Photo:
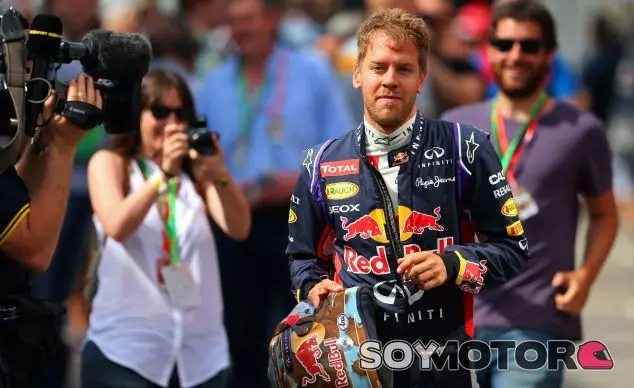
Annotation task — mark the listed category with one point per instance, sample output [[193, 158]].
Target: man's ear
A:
[[421, 81], [356, 77]]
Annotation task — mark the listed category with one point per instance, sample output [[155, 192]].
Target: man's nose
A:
[[389, 78], [516, 51]]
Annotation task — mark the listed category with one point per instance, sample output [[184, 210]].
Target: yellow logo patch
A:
[[509, 208], [341, 190], [515, 229], [292, 217]]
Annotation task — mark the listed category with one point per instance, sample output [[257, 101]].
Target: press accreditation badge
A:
[[526, 205], [181, 286]]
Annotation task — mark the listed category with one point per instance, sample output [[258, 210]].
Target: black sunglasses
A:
[[163, 112], [528, 46]]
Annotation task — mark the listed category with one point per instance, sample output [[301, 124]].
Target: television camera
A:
[[30, 56]]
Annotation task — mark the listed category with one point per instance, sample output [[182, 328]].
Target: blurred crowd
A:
[[311, 46]]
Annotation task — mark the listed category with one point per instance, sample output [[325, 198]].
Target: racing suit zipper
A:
[[391, 228]]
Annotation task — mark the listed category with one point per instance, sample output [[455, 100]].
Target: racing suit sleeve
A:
[[501, 248], [309, 261]]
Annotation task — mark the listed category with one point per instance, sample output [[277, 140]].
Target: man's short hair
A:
[[399, 26], [526, 10]]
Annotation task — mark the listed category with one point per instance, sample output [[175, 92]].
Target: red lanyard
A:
[[510, 153], [166, 206]]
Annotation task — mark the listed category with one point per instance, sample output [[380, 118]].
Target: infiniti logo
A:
[[402, 291], [435, 152]]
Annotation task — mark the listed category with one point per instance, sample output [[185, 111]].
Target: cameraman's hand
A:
[[63, 131], [175, 147], [210, 168]]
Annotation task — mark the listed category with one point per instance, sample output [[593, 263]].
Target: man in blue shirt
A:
[[268, 104]]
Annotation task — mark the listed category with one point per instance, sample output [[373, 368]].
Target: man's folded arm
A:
[[310, 259], [501, 248]]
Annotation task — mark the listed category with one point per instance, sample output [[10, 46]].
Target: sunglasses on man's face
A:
[[528, 46], [163, 112]]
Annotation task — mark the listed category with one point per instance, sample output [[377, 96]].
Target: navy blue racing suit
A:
[[452, 198]]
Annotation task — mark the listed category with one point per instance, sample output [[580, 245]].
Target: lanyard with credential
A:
[[168, 215], [250, 106], [509, 154]]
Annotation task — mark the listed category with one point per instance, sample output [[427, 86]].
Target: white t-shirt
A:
[[132, 320], [378, 146]]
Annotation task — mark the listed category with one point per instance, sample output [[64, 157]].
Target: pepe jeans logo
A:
[[433, 182]]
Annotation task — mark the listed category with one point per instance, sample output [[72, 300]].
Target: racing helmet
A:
[[319, 347]]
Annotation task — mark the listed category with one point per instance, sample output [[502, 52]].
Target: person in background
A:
[[174, 49], [552, 153], [453, 80], [561, 82], [157, 316], [599, 71], [207, 20], [268, 103]]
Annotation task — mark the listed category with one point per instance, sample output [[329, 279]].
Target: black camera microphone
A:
[[121, 57], [44, 38]]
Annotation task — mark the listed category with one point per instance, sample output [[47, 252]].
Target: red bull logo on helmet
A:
[[308, 354], [412, 222]]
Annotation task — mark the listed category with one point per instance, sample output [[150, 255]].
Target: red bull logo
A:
[[471, 274], [367, 226], [413, 222], [356, 263], [335, 360], [308, 354]]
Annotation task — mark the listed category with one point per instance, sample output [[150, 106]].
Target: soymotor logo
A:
[[477, 355]]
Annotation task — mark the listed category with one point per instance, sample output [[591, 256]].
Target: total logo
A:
[[340, 168]]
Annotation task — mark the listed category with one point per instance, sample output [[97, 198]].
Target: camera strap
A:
[[166, 205]]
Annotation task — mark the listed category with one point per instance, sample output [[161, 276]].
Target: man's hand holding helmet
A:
[[321, 290]]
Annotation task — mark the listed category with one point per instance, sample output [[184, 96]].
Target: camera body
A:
[[200, 138]]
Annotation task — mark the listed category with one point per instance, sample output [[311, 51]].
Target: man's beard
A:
[[391, 119], [533, 82]]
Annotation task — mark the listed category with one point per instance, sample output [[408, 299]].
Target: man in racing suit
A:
[[397, 203]]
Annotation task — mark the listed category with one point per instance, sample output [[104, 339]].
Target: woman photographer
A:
[[157, 316]]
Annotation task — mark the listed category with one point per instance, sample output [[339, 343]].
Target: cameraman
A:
[[33, 198]]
